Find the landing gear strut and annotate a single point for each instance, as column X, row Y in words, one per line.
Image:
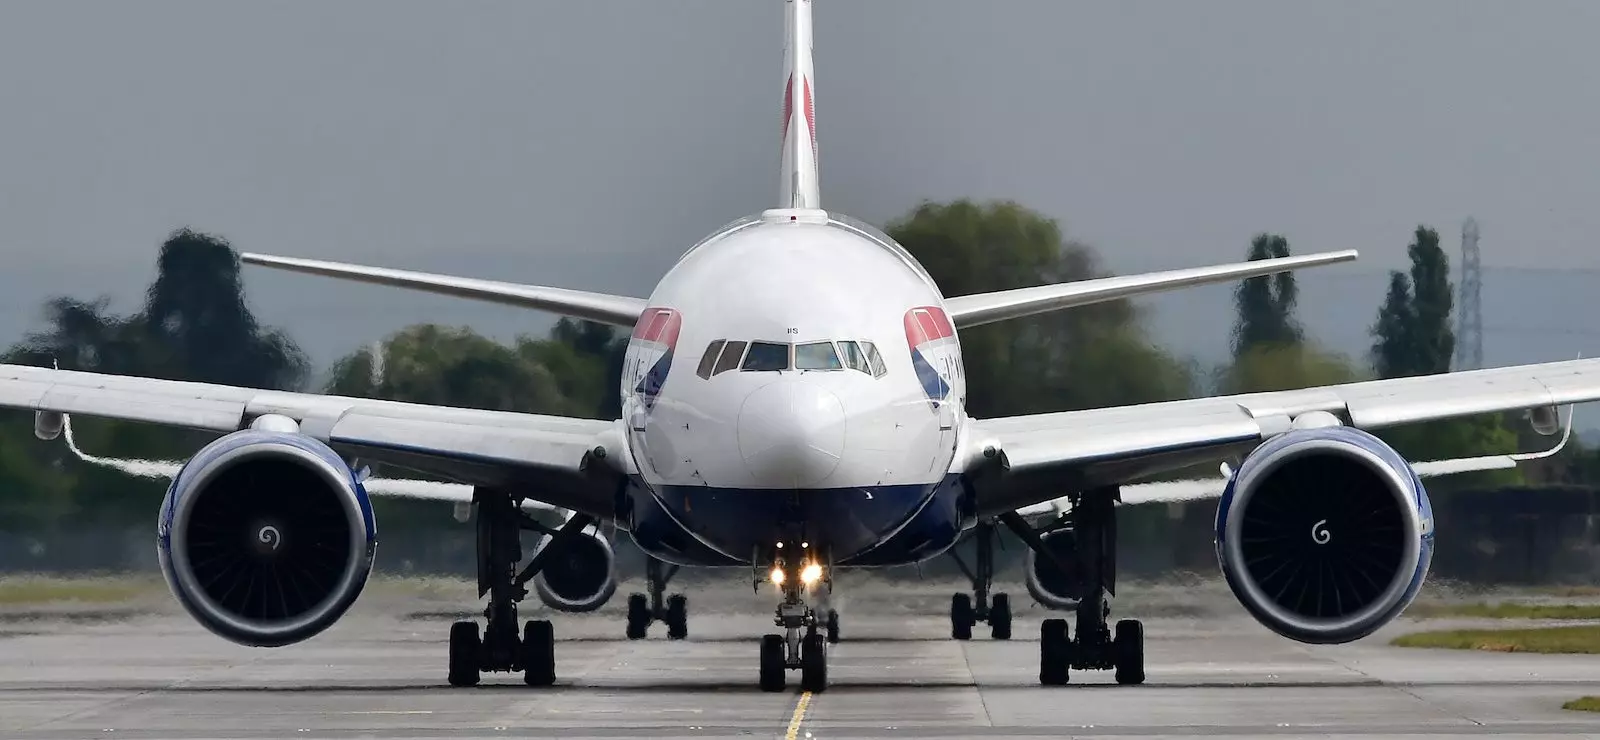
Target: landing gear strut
column 500, row 648
column 643, row 610
column 802, row 645
column 965, row 610
column 1095, row 647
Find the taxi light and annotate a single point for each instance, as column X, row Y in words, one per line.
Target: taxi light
column 810, row 574
column 777, row 575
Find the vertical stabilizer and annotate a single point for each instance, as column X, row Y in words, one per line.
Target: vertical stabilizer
column 800, row 180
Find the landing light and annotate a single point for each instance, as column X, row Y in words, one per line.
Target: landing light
column 777, row 576
column 810, row 574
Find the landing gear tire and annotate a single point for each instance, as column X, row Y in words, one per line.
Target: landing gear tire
column 464, row 647
column 1129, row 646
column 538, row 653
column 773, row 671
column 1000, row 617
column 961, row 617
column 1055, row 652
column 638, row 617
column 813, row 664
column 677, row 617
column 833, row 626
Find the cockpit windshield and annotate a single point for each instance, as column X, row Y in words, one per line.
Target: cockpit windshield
column 816, row 356
column 723, row 355
column 766, row 356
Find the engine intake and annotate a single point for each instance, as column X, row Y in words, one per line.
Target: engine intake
column 266, row 537
column 1324, row 534
column 579, row 578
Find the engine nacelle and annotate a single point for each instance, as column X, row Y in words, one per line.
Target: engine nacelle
column 581, row 577
column 1324, row 534
column 266, row 537
column 1047, row 584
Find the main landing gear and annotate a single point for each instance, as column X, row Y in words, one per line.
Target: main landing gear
column 965, row 610
column 1095, row 647
column 802, row 645
column 500, row 648
column 674, row 613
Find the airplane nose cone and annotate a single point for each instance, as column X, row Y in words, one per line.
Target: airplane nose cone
column 791, row 434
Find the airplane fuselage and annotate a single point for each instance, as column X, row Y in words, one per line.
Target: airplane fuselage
column 795, row 379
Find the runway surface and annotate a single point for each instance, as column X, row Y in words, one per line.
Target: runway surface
column 896, row 675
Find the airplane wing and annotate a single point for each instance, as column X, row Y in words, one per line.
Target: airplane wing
column 983, row 308
column 1042, row 455
column 1199, row 489
column 549, row 456
column 601, row 307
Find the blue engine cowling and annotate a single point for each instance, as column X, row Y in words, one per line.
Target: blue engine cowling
column 266, row 537
column 1324, row 534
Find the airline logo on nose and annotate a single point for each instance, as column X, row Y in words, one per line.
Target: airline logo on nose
column 649, row 355
column 932, row 340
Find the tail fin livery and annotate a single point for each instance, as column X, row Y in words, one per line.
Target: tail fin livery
column 800, row 187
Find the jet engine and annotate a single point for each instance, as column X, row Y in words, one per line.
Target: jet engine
column 581, row 577
column 266, row 537
column 1324, row 534
column 1047, row 584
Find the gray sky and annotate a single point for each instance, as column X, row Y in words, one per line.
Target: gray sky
column 586, row 144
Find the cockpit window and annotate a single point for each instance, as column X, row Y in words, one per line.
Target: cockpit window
column 766, row 356
column 731, row 353
column 854, row 358
column 708, row 361
column 875, row 360
column 816, row 356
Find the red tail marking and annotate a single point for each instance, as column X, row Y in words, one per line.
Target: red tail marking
column 811, row 114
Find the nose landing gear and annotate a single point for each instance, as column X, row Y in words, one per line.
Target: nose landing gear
column 803, row 646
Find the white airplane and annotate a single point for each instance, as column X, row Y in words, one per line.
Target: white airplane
column 815, row 420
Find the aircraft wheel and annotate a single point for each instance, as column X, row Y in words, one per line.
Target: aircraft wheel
column 638, row 616
column 464, row 649
column 833, row 626
column 813, row 664
column 772, row 667
column 961, row 617
column 538, row 653
column 1000, row 617
column 1055, row 652
column 1129, row 645
column 677, row 617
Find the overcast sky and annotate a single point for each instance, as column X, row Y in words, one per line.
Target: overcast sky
column 586, row 144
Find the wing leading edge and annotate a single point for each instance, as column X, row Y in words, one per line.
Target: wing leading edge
column 604, row 308
column 1043, row 455
column 983, row 308
column 553, row 457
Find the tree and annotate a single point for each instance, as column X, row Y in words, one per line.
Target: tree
column 1265, row 304
column 1093, row 356
column 1283, row 367
column 1391, row 348
column 195, row 311
column 1412, row 336
column 428, row 363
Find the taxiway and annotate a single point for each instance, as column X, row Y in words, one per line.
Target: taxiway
column 381, row 673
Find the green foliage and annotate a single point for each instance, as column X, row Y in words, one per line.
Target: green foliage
column 1412, row 336
column 1265, row 304
column 431, row 364
column 1098, row 355
column 194, row 325
column 1282, row 367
